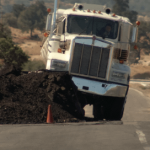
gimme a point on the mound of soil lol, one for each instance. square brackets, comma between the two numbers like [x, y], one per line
[24, 98]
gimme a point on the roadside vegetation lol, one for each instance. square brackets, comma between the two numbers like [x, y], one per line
[13, 55]
[27, 18]
[33, 65]
[10, 53]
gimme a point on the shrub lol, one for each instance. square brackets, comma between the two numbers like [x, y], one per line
[5, 32]
[12, 54]
[11, 20]
[9, 52]
[33, 65]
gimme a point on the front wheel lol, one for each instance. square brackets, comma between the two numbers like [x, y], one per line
[97, 111]
[117, 109]
[109, 108]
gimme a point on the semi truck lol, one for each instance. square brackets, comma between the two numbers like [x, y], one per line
[92, 44]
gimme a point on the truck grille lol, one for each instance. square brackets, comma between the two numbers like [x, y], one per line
[90, 60]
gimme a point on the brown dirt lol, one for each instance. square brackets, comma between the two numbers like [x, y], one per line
[140, 72]
[145, 90]
[142, 69]
[24, 98]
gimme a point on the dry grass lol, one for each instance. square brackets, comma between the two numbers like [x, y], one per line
[141, 71]
[29, 46]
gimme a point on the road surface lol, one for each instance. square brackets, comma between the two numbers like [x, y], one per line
[132, 133]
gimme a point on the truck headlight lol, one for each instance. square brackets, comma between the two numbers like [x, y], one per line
[58, 64]
[118, 75]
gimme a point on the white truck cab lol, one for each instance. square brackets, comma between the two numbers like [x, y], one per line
[92, 44]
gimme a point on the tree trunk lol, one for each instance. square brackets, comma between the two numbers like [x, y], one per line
[31, 33]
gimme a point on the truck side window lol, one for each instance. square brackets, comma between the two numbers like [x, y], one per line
[64, 26]
[119, 39]
[61, 27]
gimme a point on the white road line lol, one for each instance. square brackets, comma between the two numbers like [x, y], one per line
[141, 136]
[137, 91]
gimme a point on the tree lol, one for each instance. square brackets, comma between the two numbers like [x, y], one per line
[17, 9]
[144, 28]
[41, 11]
[132, 15]
[33, 17]
[5, 32]
[121, 8]
[10, 19]
[144, 31]
[12, 54]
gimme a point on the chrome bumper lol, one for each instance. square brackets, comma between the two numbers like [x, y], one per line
[100, 88]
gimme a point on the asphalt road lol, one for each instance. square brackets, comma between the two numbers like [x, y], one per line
[132, 133]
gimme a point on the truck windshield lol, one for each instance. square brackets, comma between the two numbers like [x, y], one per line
[92, 26]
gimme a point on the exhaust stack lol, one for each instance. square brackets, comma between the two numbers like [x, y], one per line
[54, 17]
[54, 20]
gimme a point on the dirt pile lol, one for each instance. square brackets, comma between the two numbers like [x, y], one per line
[24, 98]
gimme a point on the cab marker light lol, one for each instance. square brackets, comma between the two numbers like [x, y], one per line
[121, 61]
[138, 23]
[48, 10]
[59, 50]
[135, 47]
[46, 34]
[113, 14]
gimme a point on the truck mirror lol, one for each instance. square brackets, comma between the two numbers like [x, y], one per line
[48, 22]
[134, 34]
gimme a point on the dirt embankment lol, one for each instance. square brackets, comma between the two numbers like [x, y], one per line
[24, 98]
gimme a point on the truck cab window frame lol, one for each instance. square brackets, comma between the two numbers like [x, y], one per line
[86, 25]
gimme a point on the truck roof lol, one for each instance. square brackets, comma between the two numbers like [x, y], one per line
[91, 7]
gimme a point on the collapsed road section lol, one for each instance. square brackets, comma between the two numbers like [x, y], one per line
[24, 98]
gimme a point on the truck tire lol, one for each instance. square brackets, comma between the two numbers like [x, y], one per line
[80, 111]
[117, 109]
[98, 111]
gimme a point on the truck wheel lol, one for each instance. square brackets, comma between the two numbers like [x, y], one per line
[98, 111]
[117, 109]
[80, 110]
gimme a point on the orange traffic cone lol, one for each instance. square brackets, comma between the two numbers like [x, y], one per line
[49, 115]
